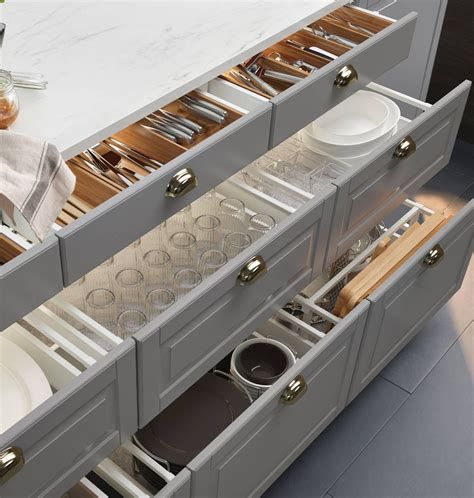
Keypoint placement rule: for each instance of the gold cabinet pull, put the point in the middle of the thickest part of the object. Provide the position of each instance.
(405, 148)
(11, 462)
(345, 76)
(181, 183)
(254, 268)
(294, 391)
(434, 256)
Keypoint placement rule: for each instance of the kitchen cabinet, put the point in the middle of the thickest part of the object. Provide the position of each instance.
(106, 388)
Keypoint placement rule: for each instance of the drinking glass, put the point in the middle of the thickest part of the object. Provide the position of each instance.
(211, 261)
(232, 215)
(260, 224)
(129, 322)
(101, 306)
(129, 289)
(235, 243)
(185, 280)
(207, 230)
(157, 268)
(183, 248)
(157, 301)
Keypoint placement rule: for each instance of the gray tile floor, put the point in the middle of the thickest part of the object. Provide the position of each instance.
(411, 432)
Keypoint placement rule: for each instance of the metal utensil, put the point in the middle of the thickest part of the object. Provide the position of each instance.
(201, 111)
(161, 133)
(312, 50)
(245, 80)
(305, 66)
(3, 27)
(258, 82)
(195, 127)
(285, 77)
(340, 17)
(319, 30)
(132, 155)
(180, 136)
(174, 124)
(107, 168)
(209, 105)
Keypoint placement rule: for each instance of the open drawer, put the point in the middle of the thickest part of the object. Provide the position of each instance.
(177, 346)
(323, 64)
(87, 379)
(275, 428)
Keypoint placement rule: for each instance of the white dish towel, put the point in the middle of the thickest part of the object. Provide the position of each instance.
(33, 178)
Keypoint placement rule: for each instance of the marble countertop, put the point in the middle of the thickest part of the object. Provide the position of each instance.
(110, 63)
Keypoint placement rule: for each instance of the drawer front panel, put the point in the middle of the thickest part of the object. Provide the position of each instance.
(373, 190)
(312, 97)
(274, 434)
(214, 319)
(401, 305)
(76, 428)
(29, 280)
(123, 219)
(179, 487)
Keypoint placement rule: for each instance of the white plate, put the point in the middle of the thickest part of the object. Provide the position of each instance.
(23, 385)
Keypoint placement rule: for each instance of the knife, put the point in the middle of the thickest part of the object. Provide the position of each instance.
(312, 50)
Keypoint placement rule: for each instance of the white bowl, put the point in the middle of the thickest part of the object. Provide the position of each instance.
(344, 151)
(358, 118)
(354, 121)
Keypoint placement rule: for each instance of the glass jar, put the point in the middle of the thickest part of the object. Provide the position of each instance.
(9, 105)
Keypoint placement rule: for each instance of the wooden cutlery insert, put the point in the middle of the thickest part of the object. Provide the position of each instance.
(307, 50)
(8, 249)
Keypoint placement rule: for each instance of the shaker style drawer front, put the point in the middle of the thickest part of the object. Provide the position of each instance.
(305, 101)
(83, 422)
(376, 185)
(125, 217)
(179, 487)
(29, 279)
(419, 288)
(283, 422)
(191, 336)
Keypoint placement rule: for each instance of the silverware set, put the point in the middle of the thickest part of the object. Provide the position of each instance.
(183, 130)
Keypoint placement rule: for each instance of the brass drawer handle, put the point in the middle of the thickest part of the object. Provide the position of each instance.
(434, 256)
(181, 183)
(346, 75)
(405, 148)
(254, 268)
(294, 391)
(11, 462)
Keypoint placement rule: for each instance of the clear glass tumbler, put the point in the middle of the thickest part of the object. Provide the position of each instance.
(130, 289)
(232, 215)
(183, 250)
(185, 280)
(157, 301)
(129, 322)
(101, 306)
(260, 224)
(210, 261)
(157, 268)
(208, 233)
(235, 243)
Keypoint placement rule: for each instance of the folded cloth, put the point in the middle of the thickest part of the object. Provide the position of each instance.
(35, 179)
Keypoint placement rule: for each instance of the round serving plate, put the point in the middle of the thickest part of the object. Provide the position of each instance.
(23, 385)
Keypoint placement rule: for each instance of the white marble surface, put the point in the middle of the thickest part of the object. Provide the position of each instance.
(110, 63)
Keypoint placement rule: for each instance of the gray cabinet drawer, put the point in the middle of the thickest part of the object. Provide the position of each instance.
(178, 347)
(375, 185)
(305, 101)
(116, 223)
(28, 280)
(401, 305)
(92, 410)
(252, 452)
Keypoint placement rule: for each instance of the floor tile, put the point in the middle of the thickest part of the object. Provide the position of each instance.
(408, 369)
(426, 449)
(462, 159)
(325, 459)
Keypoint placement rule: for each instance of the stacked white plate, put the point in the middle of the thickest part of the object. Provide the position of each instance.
(353, 128)
(23, 385)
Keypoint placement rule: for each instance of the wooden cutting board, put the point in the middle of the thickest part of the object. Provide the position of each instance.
(388, 259)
